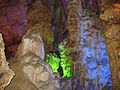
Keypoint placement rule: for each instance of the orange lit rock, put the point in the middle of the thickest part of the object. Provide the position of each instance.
(117, 7)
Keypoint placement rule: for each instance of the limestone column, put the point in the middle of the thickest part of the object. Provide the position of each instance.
(111, 20)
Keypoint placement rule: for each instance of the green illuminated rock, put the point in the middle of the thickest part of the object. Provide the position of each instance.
(65, 61)
(53, 60)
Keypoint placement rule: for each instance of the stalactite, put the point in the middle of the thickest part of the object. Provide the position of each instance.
(75, 9)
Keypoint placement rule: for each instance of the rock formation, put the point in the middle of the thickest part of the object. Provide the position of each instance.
(6, 74)
(32, 73)
(86, 26)
(111, 20)
(89, 54)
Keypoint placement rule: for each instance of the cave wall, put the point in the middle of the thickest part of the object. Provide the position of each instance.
(28, 63)
(12, 23)
(39, 18)
(111, 20)
(90, 53)
(109, 12)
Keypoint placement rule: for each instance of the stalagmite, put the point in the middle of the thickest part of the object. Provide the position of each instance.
(6, 74)
(29, 64)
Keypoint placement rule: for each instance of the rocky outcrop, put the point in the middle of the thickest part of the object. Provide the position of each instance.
(30, 67)
(111, 20)
(6, 74)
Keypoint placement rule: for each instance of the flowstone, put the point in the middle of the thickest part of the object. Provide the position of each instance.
(32, 72)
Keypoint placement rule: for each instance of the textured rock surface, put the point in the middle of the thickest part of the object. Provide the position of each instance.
(92, 63)
(39, 18)
(92, 54)
(6, 74)
(112, 13)
(32, 43)
(112, 35)
(86, 37)
(30, 67)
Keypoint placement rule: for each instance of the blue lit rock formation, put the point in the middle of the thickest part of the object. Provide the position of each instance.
(92, 64)
(93, 53)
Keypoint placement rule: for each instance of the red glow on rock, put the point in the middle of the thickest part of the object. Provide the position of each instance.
(12, 25)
